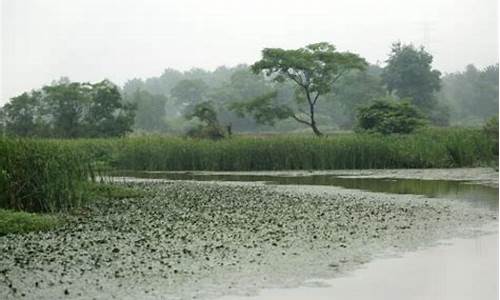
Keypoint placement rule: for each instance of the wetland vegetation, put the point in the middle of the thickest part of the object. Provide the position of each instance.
(100, 196)
(202, 240)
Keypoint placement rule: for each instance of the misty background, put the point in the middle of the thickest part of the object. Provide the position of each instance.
(203, 48)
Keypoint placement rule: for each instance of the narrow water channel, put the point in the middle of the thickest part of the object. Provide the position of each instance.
(475, 194)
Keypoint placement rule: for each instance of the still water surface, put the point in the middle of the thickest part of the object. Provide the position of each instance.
(475, 194)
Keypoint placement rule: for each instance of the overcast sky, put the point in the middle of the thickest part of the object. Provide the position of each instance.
(89, 40)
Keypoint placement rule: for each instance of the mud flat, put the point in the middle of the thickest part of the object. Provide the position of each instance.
(206, 240)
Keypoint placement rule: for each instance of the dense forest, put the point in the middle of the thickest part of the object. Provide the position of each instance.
(464, 98)
(244, 99)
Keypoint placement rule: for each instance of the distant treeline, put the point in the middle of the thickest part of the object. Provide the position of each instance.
(68, 110)
(165, 104)
(175, 91)
(465, 98)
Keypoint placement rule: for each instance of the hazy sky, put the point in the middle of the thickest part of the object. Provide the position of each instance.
(89, 40)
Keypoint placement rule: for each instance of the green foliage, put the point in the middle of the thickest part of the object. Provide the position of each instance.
(42, 176)
(189, 92)
(53, 175)
(107, 115)
(263, 110)
(150, 114)
(472, 95)
(353, 90)
(69, 110)
(112, 191)
(13, 222)
(205, 113)
(409, 74)
(22, 116)
(491, 131)
(388, 116)
(314, 69)
(429, 148)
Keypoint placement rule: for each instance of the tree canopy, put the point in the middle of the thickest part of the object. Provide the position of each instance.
(472, 94)
(69, 110)
(410, 75)
(314, 69)
(387, 116)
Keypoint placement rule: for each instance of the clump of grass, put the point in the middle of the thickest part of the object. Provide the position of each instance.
(42, 176)
(22, 222)
(114, 191)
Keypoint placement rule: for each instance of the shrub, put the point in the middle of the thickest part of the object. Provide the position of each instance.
(388, 116)
(211, 128)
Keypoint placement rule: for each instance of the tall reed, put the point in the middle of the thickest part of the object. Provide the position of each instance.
(429, 148)
(42, 176)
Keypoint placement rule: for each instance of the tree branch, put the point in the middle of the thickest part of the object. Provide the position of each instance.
(300, 120)
(338, 76)
(315, 98)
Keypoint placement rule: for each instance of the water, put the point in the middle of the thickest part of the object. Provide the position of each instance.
(459, 269)
(475, 194)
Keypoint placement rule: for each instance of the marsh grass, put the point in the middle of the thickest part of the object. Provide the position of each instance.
(429, 148)
(56, 175)
(42, 176)
(113, 191)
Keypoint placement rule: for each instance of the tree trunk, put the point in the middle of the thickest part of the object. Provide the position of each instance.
(313, 121)
(316, 130)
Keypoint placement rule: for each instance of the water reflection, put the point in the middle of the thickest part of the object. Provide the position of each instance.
(477, 195)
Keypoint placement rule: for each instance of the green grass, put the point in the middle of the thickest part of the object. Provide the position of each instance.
(114, 191)
(22, 222)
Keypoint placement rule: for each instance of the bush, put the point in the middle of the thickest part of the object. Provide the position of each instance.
(206, 132)
(388, 116)
(211, 128)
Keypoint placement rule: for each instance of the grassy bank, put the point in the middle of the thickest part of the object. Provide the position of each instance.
(53, 175)
(431, 148)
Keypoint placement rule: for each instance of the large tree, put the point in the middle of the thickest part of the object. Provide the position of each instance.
(472, 94)
(151, 110)
(314, 69)
(409, 74)
(355, 89)
(69, 110)
(108, 115)
(189, 92)
(22, 116)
